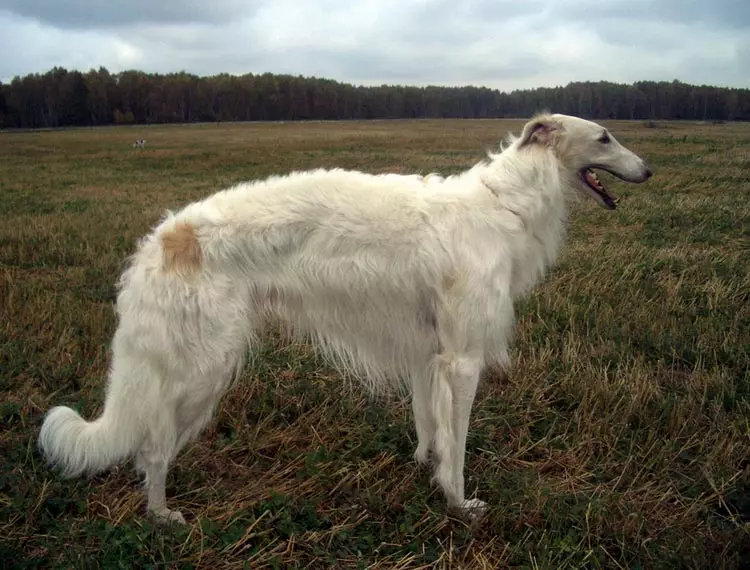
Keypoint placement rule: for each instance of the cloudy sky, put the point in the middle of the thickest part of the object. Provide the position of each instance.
(498, 43)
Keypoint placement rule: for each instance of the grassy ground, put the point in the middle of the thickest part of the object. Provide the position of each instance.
(620, 439)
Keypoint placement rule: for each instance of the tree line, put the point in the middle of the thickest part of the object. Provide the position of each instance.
(60, 98)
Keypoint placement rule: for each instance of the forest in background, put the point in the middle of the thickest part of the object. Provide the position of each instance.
(61, 98)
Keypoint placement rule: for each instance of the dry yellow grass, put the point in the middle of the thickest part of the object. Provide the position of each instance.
(620, 438)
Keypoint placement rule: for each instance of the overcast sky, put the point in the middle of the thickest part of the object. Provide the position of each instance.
(498, 43)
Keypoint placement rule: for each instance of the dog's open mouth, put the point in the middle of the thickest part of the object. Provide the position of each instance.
(590, 179)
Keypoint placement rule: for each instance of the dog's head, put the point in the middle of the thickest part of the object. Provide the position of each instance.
(582, 146)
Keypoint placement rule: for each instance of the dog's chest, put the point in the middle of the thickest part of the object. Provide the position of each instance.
(535, 254)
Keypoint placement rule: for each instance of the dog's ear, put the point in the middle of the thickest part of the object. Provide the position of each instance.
(541, 130)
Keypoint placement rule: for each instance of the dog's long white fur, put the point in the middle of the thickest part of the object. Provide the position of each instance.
(406, 282)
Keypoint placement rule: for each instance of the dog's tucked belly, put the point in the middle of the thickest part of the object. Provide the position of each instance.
(377, 337)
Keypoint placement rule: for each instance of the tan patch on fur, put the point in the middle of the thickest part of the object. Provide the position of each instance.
(182, 251)
(449, 281)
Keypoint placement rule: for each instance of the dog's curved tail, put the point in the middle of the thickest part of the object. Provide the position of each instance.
(76, 446)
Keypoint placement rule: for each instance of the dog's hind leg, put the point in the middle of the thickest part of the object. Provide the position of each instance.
(153, 461)
(155, 469)
(175, 425)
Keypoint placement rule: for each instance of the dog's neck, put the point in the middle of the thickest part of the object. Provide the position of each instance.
(527, 180)
(530, 187)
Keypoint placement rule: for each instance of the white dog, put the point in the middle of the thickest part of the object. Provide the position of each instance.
(405, 281)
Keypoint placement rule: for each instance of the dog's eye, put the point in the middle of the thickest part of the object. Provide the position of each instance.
(604, 139)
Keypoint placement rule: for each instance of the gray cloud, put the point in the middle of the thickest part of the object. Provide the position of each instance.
(497, 43)
(733, 14)
(87, 14)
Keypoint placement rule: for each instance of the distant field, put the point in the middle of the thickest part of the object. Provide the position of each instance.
(620, 438)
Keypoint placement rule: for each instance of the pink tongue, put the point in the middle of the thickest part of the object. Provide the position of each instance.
(590, 177)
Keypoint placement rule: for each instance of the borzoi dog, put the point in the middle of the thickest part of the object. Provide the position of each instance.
(406, 281)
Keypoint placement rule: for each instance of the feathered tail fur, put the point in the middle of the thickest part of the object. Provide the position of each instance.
(76, 446)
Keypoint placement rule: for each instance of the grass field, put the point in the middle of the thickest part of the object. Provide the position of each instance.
(620, 438)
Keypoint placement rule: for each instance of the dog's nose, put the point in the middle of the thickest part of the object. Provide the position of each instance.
(649, 174)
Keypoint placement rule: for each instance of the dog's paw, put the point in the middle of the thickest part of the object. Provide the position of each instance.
(167, 516)
(473, 508)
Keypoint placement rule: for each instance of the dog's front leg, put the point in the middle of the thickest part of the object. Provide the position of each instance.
(453, 389)
(465, 383)
(424, 421)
